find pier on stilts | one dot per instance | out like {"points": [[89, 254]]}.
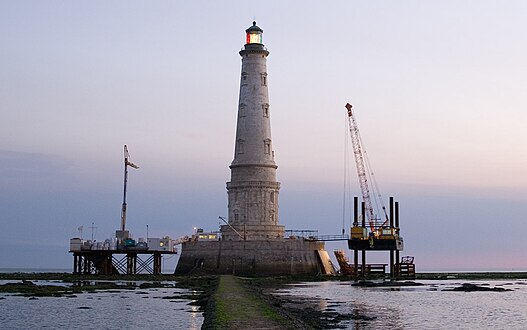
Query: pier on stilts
{"points": [[115, 262], [381, 237]]}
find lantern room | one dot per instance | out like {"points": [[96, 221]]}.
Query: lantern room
{"points": [[254, 34]]}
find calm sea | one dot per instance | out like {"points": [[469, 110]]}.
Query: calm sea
{"points": [[424, 307], [59, 270], [116, 309]]}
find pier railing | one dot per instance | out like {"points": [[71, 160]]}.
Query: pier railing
{"points": [[313, 235], [332, 238]]}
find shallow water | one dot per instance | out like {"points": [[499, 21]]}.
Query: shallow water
{"points": [[117, 309], [423, 307]]}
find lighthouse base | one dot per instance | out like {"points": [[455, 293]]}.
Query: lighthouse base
{"points": [[252, 258]]}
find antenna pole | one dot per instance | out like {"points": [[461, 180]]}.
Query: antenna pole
{"points": [[123, 209], [92, 228], [126, 164]]}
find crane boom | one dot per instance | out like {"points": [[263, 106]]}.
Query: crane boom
{"points": [[359, 162], [126, 164]]}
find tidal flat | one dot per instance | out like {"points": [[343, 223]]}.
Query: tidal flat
{"points": [[329, 302], [60, 284], [86, 302]]}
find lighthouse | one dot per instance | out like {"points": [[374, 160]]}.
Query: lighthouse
{"points": [[253, 189], [252, 241]]}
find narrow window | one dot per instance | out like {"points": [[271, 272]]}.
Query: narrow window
{"points": [[267, 146], [272, 197], [241, 110], [244, 78], [265, 108], [241, 147], [264, 78]]}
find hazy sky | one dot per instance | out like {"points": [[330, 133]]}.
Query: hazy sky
{"points": [[438, 87]]}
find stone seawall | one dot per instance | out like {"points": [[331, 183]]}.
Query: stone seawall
{"points": [[251, 258]]}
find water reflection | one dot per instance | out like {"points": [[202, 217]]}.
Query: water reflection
{"points": [[195, 319], [424, 307], [111, 309]]}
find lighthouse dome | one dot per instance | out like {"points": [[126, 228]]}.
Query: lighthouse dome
{"points": [[254, 28]]}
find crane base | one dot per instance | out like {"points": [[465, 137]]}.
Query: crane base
{"points": [[376, 244]]}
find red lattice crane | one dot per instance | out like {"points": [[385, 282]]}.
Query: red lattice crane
{"points": [[362, 170]]}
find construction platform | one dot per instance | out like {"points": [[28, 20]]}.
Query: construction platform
{"points": [[115, 262], [376, 236]]}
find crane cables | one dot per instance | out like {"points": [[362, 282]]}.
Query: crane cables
{"points": [[375, 188]]}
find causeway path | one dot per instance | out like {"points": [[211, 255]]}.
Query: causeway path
{"points": [[235, 306]]}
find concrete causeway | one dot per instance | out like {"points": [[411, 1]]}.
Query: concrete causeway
{"points": [[234, 306]]}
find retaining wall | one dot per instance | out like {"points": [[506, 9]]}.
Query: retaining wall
{"points": [[252, 258]]}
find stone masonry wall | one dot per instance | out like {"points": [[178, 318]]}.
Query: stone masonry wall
{"points": [[252, 258]]}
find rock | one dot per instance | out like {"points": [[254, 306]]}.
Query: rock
{"points": [[469, 287], [386, 284]]}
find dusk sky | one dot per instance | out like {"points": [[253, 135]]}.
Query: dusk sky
{"points": [[439, 89]]}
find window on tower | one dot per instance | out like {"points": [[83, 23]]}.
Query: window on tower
{"points": [[265, 110], [241, 148], [244, 78], [267, 146], [241, 111], [264, 79]]}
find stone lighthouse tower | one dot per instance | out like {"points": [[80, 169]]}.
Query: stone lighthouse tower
{"points": [[253, 189], [252, 242]]}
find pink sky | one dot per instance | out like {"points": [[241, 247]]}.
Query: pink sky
{"points": [[438, 88]]}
